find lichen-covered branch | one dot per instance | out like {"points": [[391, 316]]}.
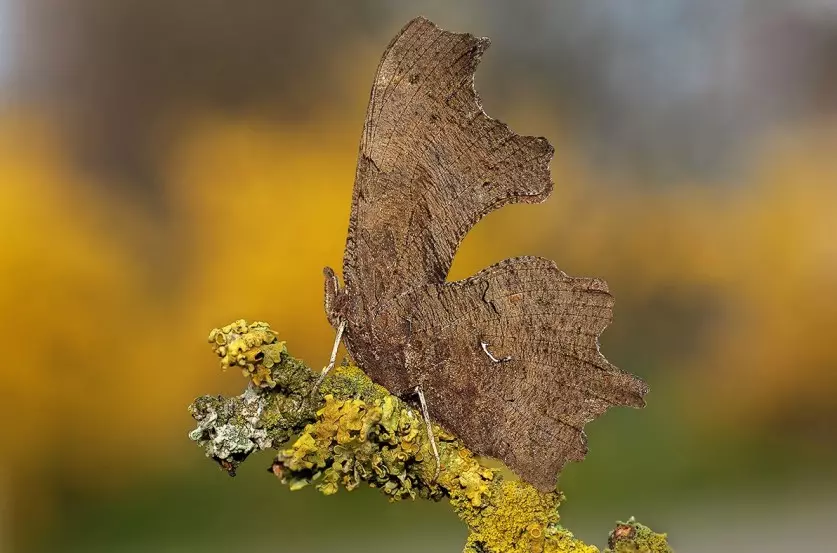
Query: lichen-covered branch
{"points": [[352, 431]]}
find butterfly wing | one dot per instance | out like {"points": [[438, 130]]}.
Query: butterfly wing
{"points": [[431, 164], [509, 360]]}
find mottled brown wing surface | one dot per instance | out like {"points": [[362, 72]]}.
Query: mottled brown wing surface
{"points": [[525, 396], [431, 164], [509, 358]]}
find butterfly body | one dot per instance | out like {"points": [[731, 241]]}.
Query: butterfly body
{"points": [[507, 359]]}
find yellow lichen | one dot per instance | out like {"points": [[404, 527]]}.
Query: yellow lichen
{"points": [[254, 348], [375, 437]]}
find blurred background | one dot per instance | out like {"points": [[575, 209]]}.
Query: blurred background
{"points": [[169, 166]]}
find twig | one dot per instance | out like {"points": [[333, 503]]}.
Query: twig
{"points": [[353, 431]]}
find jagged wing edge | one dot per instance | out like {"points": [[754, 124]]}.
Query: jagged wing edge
{"points": [[482, 44]]}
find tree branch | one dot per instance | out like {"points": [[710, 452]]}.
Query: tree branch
{"points": [[352, 431]]}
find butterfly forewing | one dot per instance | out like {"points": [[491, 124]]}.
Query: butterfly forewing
{"points": [[431, 164]]}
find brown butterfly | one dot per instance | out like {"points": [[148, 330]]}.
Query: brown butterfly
{"points": [[507, 359]]}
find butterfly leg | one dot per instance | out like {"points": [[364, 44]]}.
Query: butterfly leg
{"points": [[340, 328], [429, 425]]}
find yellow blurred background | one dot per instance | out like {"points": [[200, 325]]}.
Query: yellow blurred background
{"points": [[168, 167]]}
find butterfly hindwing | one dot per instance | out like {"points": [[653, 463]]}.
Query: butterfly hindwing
{"points": [[510, 358]]}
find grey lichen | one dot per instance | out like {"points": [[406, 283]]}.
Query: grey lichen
{"points": [[353, 431], [230, 428]]}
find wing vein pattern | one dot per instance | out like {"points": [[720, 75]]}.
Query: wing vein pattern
{"points": [[431, 164]]}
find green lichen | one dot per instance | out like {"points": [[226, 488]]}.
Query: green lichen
{"points": [[380, 442], [353, 431], [632, 537]]}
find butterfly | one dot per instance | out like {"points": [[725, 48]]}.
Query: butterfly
{"points": [[509, 358]]}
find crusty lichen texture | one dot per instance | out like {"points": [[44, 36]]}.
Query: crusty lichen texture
{"points": [[352, 431], [633, 537]]}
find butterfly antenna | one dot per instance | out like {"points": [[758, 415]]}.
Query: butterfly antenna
{"points": [[340, 328], [429, 425]]}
